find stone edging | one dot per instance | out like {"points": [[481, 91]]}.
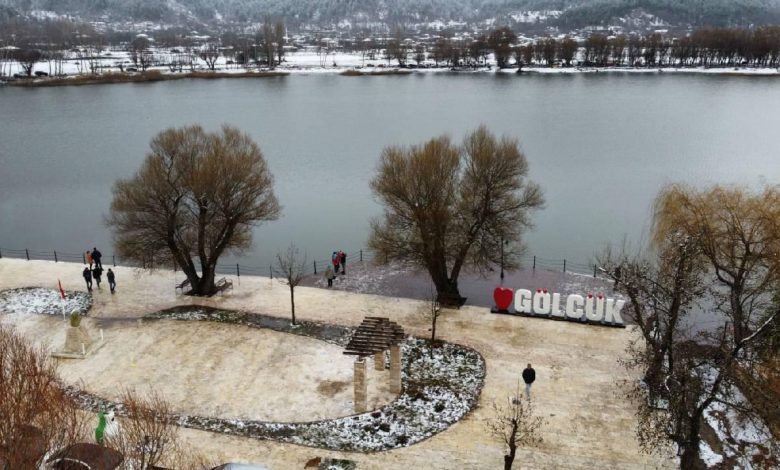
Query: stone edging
{"points": [[436, 392]]}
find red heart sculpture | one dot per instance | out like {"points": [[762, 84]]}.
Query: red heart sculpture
{"points": [[503, 297]]}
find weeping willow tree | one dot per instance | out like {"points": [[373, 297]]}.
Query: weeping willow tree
{"points": [[197, 196], [448, 207]]}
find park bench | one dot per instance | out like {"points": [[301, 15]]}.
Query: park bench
{"points": [[183, 285], [223, 284]]}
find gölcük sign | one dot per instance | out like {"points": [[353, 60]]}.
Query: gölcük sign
{"points": [[590, 309]]}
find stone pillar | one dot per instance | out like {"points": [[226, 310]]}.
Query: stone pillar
{"points": [[361, 386], [379, 361], [395, 368]]}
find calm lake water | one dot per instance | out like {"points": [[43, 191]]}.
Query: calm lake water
{"points": [[600, 145]]}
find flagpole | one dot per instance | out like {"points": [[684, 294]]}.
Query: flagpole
{"points": [[62, 298]]}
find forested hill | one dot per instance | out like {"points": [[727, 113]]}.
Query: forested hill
{"points": [[562, 13]]}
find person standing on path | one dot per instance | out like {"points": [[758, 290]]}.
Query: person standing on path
{"points": [[329, 275], [97, 256], [111, 280], [88, 258], [96, 274], [336, 259], [343, 257], [88, 278], [529, 375]]}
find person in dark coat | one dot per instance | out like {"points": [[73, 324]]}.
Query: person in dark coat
{"points": [[111, 280], [96, 274], [529, 375], [96, 257], [88, 278], [343, 262]]}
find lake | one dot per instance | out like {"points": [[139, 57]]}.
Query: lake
{"points": [[601, 145]]}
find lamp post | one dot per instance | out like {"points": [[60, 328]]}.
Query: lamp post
{"points": [[502, 260]]}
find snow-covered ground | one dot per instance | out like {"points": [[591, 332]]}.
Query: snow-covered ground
{"points": [[437, 392], [37, 300], [742, 439]]}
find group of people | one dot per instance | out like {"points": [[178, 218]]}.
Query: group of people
{"points": [[95, 273], [339, 261]]}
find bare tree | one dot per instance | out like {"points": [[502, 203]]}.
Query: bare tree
{"points": [[197, 195], [431, 311], [514, 425], [280, 33], [448, 207], [716, 257], [567, 50], [27, 58], [501, 41], [210, 56], [149, 435], [291, 270], [37, 417]]}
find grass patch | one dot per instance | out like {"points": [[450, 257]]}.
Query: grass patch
{"points": [[148, 76]]}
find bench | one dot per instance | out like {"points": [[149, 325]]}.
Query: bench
{"points": [[183, 285], [223, 284]]}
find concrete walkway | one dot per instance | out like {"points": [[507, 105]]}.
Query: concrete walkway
{"points": [[589, 421]]}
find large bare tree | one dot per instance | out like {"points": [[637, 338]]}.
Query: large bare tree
{"points": [[196, 197], [706, 302], [449, 206]]}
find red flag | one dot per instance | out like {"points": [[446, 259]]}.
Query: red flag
{"points": [[62, 291]]}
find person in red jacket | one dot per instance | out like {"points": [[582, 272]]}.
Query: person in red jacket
{"points": [[336, 259]]}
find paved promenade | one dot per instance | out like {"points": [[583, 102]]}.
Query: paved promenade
{"points": [[589, 421]]}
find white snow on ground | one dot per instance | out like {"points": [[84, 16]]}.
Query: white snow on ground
{"points": [[709, 457], [38, 300], [739, 437]]}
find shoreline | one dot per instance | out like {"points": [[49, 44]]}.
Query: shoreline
{"points": [[156, 75]]}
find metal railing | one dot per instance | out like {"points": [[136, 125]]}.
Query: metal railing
{"points": [[315, 266]]}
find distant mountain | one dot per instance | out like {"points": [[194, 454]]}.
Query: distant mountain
{"points": [[563, 13]]}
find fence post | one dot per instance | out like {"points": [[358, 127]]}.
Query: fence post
{"points": [[534, 263], [238, 271], [564, 264], [315, 266], [55, 256], [361, 256], [271, 270], [1, 255], [27, 252], [594, 271], [84, 258], [113, 260]]}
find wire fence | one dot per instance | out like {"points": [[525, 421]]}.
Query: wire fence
{"points": [[313, 267]]}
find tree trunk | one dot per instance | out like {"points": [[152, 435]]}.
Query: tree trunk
{"points": [[509, 459], [433, 332], [292, 303], [448, 293], [690, 455]]}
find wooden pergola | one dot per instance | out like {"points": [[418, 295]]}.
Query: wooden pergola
{"points": [[374, 336]]}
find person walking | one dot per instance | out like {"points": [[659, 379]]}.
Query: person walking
{"points": [[329, 275], [88, 278], [88, 258], [529, 375], [343, 262], [111, 280], [336, 259], [97, 275], [97, 256]]}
